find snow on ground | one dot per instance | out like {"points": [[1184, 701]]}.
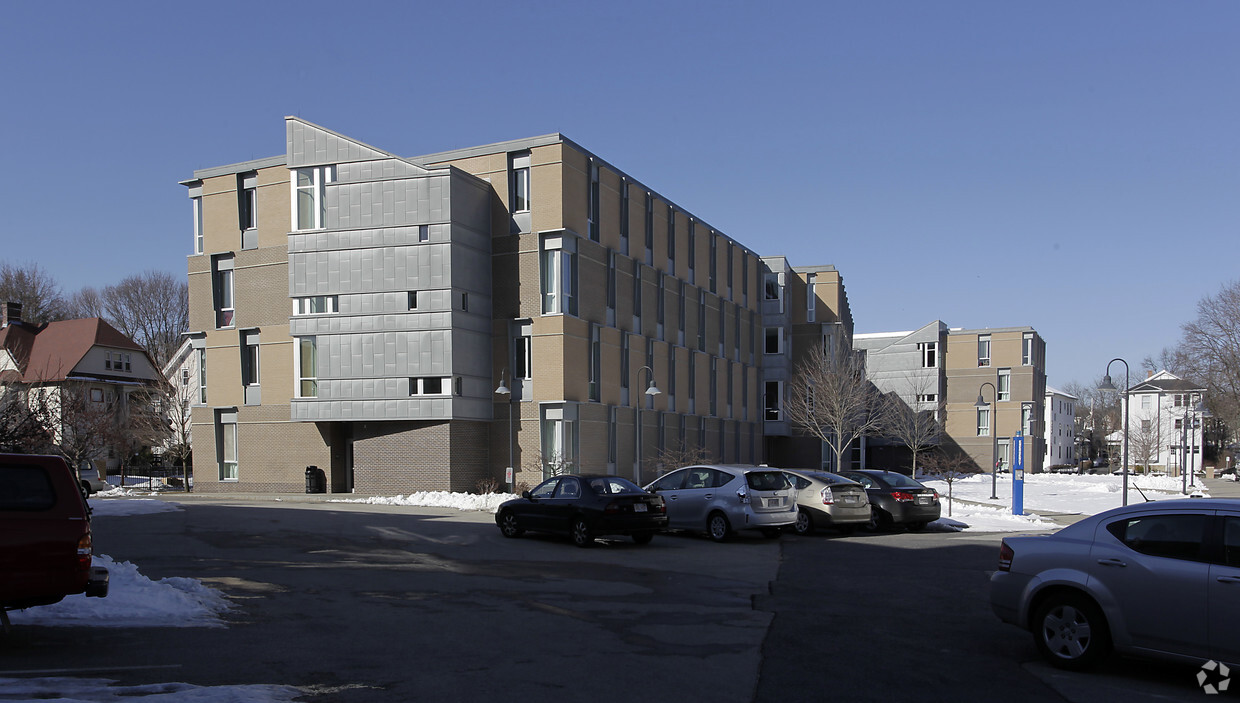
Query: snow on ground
{"points": [[64, 689], [488, 502], [1043, 494]]}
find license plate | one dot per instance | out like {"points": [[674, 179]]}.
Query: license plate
{"points": [[774, 502], [923, 500], [850, 499], [639, 507]]}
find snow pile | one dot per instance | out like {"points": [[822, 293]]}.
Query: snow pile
{"points": [[487, 502], [133, 600], [113, 507]]}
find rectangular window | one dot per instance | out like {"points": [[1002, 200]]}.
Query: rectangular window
{"points": [[671, 240], [983, 422], [680, 317], [714, 261], [424, 233], [701, 342], [929, 352], [649, 228], [315, 305], [774, 341], [464, 302], [559, 276], [519, 195], [96, 395], [811, 298], [222, 290], [692, 368], [773, 288], [310, 196], [723, 327], [196, 204], [1004, 387], [671, 378], [624, 216], [522, 350], [413, 300], [731, 246], [611, 435], [1147, 402], [1026, 349], [692, 250], [772, 402], [713, 382], [1178, 399], [611, 280], [927, 397], [1026, 418], [637, 296], [624, 360], [983, 350], [249, 358], [744, 279], [428, 385], [227, 424], [596, 363], [660, 300], [247, 200], [731, 379], [202, 376], [592, 204], [306, 365]]}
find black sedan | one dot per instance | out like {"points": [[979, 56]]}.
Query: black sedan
{"points": [[585, 507], [897, 499]]}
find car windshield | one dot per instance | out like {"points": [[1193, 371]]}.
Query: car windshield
{"points": [[831, 478], [611, 485], [767, 480]]}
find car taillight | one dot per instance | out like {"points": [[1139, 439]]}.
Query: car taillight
{"points": [[742, 495], [902, 496], [612, 507], [1005, 556], [84, 551], [828, 498]]}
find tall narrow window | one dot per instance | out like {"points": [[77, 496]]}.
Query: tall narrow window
{"points": [[625, 350], [611, 281], [1004, 386], [306, 366], [671, 378], [671, 240], [519, 195], [772, 402], [249, 358], [592, 204], [523, 350], [1026, 418], [559, 275], [713, 381], [723, 327], [983, 422], [714, 260], [983, 350], [637, 297], [929, 352], [680, 315], [649, 229], [729, 269], [611, 435], [196, 204], [202, 375], [226, 423], [692, 369], [701, 327], [744, 279], [1026, 349], [660, 300], [773, 284], [596, 364], [692, 253], [811, 298], [309, 196], [222, 290], [247, 200], [624, 216], [774, 341]]}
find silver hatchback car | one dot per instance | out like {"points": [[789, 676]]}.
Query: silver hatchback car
{"points": [[719, 498], [828, 500]]}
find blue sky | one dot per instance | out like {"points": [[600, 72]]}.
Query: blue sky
{"points": [[1070, 166]]}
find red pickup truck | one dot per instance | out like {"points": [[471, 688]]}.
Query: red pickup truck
{"points": [[45, 540]]}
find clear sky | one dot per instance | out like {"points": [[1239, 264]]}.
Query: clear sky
{"points": [[1073, 166]]}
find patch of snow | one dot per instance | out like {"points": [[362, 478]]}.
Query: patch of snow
{"points": [[116, 506], [94, 690], [488, 502]]}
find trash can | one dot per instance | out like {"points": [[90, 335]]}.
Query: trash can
{"points": [[316, 480]]}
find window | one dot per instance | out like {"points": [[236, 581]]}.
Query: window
{"points": [[773, 288], [773, 402], [226, 425], [692, 250], [519, 195], [413, 300], [624, 360], [811, 298], [559, 275], [611, 281], [1171, 536], [744, 278], [637, 296], [596, 363], [558, 439], [1146, 425], [671, 378], [774, 341], [428, 385], [117, 361], [247, 200], [249, 358], [184, 377], [692, 368], [929, 352], [612, 435], [202, 375], [464, 302], [1026, 349], [701, 330], [983, 422], [671, 240], [927, 397], [1147, 402], [983, 350], [523, 350], [660, 300], [1004, 387], [196, 204], [309, 196], [649, 229], [315, 305], [731, 246], [722, 327], [713, 380], [96, 395], [306, 367], [624, 216], [424, 233], [680, 316], [592, 204], [714, 261], [1026, 418], [222, 289]]}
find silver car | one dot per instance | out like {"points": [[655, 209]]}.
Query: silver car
{"points": [[1158, 579], [828, 500], [720, 498]]}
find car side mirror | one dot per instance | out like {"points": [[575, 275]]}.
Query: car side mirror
{"points": [[526, 495]]}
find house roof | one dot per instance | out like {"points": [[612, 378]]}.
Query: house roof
{"points": [[1165, 382], [50, 352]]}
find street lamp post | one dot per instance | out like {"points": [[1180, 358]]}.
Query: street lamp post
{"points": [[511, 471], [994, 435], [1107, 385], [1187, 464], [651, 390]]}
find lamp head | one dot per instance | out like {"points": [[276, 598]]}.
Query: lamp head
{"points": [[1106, 384]]}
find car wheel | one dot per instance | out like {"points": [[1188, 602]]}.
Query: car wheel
{"points": [[1071, 632], [879, 520], [643, 538], [717, 527], [804, 524], [580, 532], [508, 525]]}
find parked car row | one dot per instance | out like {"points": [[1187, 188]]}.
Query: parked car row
{"points": [[718, 500]]}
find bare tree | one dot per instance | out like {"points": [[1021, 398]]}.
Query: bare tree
{"points": [[152, 309], [87, 302], [83, 423], [949, 467], [138, 424], [1209, 353], [1144, 442], [178, 415], [24, 420], [680, 455], [35, 289], [917, 429], [830, 399]]}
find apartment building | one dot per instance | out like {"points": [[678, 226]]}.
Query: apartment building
{"points": [[1006, 367], [1060, 428], [357, 311], [1164, 426]]}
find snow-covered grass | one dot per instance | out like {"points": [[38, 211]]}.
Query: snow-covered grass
{"points": [[487, 502]]}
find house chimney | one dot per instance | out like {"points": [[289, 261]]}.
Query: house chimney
{"points": [[1149, 373], [12, 314]]}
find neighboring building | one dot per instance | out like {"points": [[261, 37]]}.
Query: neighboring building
{"points": [[1060, 423], [801, 308], [79, 370], [184, 375], [1164, 424], [1013, 361], [355, 311]]}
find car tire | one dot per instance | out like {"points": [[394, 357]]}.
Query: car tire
{"points": [[717, 526], [508, 525], [1071, 632], [580, 532], [879, 520], [804, 524], [643, 538]]}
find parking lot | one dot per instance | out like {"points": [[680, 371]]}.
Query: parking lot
{"points": [[370, 603]]}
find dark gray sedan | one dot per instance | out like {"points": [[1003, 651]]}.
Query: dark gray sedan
{"points": [[896, 499]]}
